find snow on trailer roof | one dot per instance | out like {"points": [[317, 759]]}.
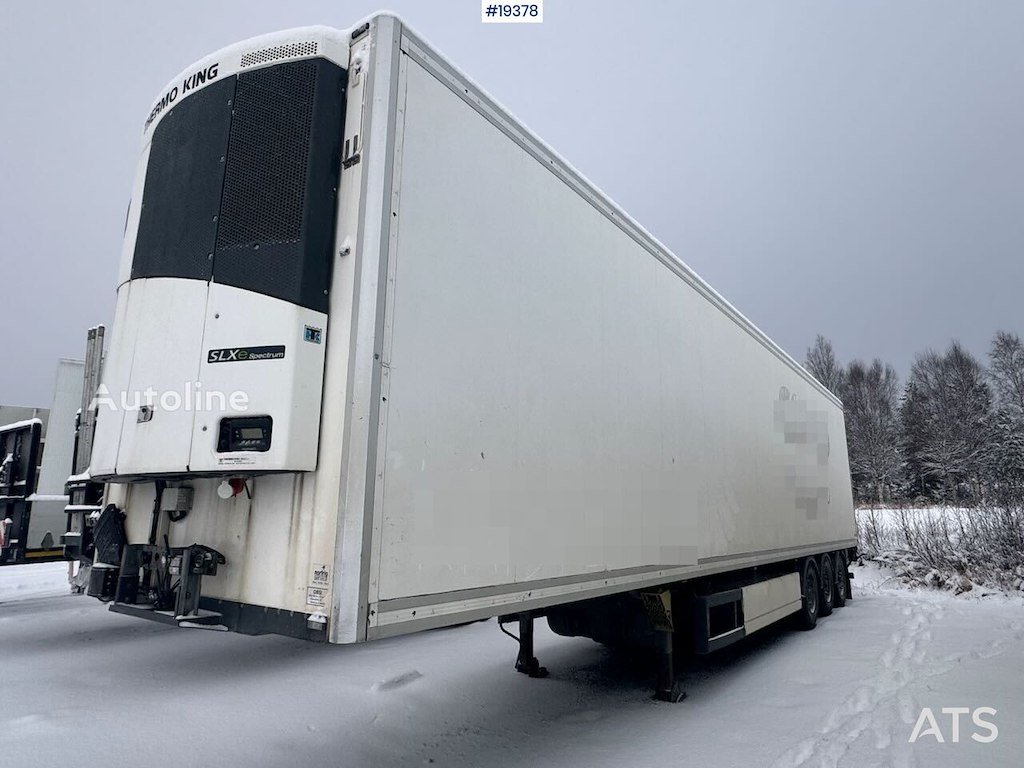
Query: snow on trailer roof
{"points": [[20, 424]]}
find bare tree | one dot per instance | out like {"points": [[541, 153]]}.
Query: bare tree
{"points": [[1006, 370], [870, 400], [948, 422], [1006, 467], [821, 363]]}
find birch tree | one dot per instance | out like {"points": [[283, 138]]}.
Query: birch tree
{"points": [[870, 400], [1006, 373], [822, 365], [948, 422]]}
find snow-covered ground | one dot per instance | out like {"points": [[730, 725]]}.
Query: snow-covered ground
{"points": [[80, 686]]}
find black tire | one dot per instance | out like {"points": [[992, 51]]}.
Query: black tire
{"points": [[828, 585], [842, 579], [810, 587]]}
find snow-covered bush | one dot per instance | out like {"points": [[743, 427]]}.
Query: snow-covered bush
{"points": [[961, 549]]}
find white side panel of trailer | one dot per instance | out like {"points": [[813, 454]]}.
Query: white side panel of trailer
{"points": [[768, 601], [59, 452], [558, 401]]}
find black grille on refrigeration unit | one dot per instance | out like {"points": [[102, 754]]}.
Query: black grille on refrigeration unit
{"points": [[275, 230], [242, 181], [181, 197], [265, 181]]}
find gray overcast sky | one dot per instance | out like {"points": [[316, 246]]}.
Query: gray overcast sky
{"points": [[849, 168]]}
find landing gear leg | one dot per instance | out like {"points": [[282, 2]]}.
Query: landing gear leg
{"points": [[659, 610], [667, 688], [526, 662]]}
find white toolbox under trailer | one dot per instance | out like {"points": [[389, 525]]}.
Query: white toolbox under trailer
{"points": [[474, 386]]}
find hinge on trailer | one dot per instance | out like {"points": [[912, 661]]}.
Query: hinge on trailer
{"points": [[350, 155], [354, 75]]}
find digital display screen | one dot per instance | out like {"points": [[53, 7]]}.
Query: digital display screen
{"points": [[248, 433]]}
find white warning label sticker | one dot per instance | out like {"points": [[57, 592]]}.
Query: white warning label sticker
{"points": [[321, 575], [319, 584]]}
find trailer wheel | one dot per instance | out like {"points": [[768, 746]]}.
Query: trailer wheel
{"points": [[828, 585], [807, 618], [842, 579]]}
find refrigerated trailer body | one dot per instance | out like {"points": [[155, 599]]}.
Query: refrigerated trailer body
{"points": [[472, 385]]}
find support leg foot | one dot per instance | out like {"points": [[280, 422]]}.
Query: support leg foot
{"points": [[667, 688], [526, 662], [673, 694]]}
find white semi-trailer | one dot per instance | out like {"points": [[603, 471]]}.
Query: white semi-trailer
{"points": [[382, 361]]}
